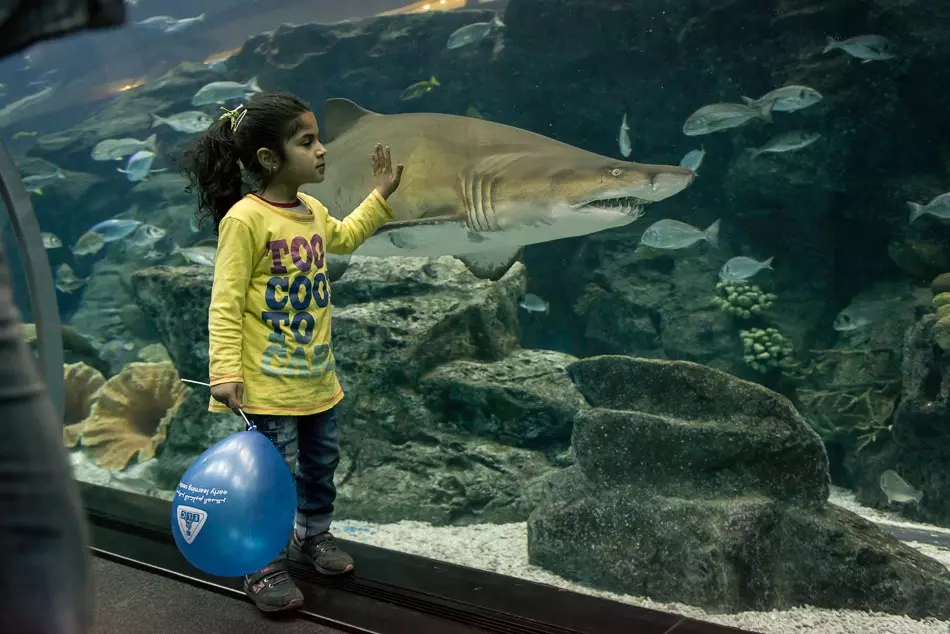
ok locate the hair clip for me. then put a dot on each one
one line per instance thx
(236, 115)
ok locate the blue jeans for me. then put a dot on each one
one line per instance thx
(311, 447)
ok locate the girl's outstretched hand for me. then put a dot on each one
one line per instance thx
(385, 178)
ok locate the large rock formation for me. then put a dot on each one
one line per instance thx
(695, 486)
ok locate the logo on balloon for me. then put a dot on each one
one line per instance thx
(190, 521)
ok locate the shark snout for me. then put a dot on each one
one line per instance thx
(666, 183)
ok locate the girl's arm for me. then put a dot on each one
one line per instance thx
(234, 264)
(344, 236)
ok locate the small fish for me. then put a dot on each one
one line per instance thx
(852, 318)
(12, 111)
(115, 349)
(114, 229)
(168, 24)
(897, 490)
(184, 23)
(787, 98)
(787, 142)
(939, 207)
(51, 241)
(190, 122)
(865, 47)
(139, 166)
(693, 159)
(154, 255)
(66, 279)
(418, 89)
(670, 235)
(218, 92)
(118, 149)
(146, 235)
(722, 116)
(198, 254)
(623, 139)
(88, 243)
(533, 304)
(473, 33)
(35, 184)
(742, 268)
(23, 134)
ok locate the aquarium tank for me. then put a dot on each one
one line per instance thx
(665, 316)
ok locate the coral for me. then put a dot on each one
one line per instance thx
(131, 415)
(742, 299)
(942, 332)
(154, 353)
(941, 303)
(941, 284)
(82, 384)
(766, 349)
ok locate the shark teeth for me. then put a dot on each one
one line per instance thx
(628, 206)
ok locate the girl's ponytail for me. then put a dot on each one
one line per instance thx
(212, 167)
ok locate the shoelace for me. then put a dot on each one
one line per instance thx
(276, 578)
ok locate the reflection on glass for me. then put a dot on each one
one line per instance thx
(649, 400)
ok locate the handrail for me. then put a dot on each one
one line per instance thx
(39, 277)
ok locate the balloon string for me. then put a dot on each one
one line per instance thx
(250, 426)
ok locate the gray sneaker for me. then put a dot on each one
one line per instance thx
(272, 590)
(322, 551)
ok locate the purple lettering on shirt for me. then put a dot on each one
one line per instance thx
(316, 246)
(277, 248)
(301, 264)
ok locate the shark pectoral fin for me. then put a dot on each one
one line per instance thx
(491, 265)
(417, 233)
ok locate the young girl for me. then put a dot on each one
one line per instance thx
(269, 320)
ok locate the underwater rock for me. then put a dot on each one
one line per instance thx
(103, 311)
(176, 300)
(398, 318)
(919, 446)
(524, 400)
(660, 504)
(681, 428)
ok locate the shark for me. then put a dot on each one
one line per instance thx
(479, 190)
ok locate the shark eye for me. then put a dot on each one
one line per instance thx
(616, 171)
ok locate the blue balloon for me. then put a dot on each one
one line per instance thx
(234, 508)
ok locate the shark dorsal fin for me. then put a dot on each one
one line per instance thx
(339, 115)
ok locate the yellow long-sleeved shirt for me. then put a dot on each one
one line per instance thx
(269, 319)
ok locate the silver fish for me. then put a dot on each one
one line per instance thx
(184, 23)
(533, 304)
(742, 268)
(203, 255)
(472, 33)
(722, 116)
(12, 112)
(168, 24)
(852, 318)
(897, 490)
(939, 207)
(669, 234)
(865, 47)
(117, 149)
(218, 92)
(51, 241)
(146, 235)
(66, 279)
(787, 142)
(623, 139)
(190, 122)
(693, 159)
(88, 243)
(35, 184)
(114, 229)
(139, 166)
(787, 98)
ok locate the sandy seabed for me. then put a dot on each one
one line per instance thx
(502, 548)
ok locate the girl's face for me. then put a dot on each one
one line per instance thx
(305, 158)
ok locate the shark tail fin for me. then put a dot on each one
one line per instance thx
(830, 44)
(916, 211)
(712, 234)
